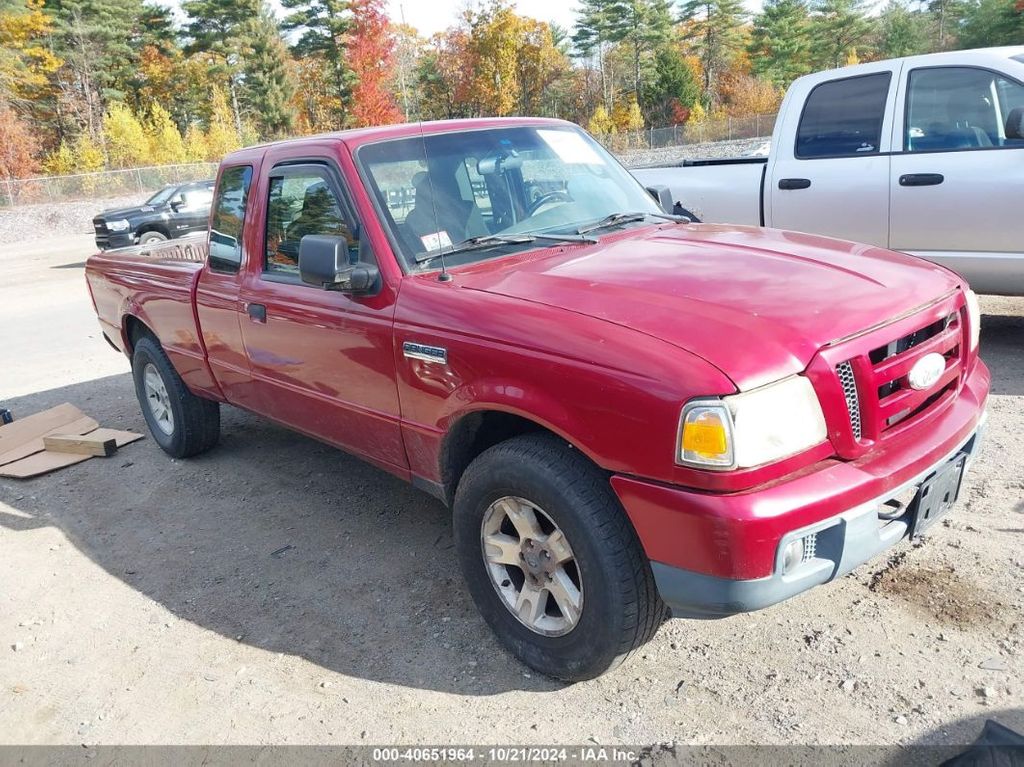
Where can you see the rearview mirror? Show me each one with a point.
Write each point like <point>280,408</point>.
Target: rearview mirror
<point>498,163</point>
<point>1015,123</point>
<point>324,262</point>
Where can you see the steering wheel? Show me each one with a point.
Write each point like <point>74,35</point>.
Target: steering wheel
<point>559,195</point>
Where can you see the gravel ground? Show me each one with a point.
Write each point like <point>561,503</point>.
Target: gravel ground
<point>278,591</point>
<point>33,222</point>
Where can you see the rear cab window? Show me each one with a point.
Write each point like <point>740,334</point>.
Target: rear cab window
<point>229,218</point>
<point>843,118</point>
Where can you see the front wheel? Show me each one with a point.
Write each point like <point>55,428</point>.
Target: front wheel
<point>148,238</point>
<point>180,422</point>
<point>551,560</point>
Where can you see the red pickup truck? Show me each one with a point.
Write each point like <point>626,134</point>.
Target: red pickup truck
<point>626,411</point>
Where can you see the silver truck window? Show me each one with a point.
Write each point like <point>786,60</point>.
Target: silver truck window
<point>953,108</point>
<point>228,218</point>
<point>843,118</point>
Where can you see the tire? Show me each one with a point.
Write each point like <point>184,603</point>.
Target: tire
<point>180,422</point>
<point>620,609</point>
<point>148,238</point>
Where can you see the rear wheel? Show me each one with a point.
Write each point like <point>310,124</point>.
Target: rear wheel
<point>180,422</point>
<point>551,559</point>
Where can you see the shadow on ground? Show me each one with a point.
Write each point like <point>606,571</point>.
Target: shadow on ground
<point>277,541</point>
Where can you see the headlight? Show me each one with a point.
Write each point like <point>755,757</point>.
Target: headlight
<point>973,317</point>
<point>119,226</point>
<point>751,428</point>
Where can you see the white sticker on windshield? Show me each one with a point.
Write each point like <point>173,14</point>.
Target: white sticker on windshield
<point>436,241</point>
<point>570,147</point>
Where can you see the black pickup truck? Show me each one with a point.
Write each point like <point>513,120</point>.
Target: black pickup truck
<point>174,211</point>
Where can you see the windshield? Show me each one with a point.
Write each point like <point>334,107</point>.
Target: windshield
<point>437,191</point>
<point>162,196</point>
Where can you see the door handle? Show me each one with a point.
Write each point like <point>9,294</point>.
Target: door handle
<point>257,312</point>
<point>794,183</point>
<point>921,179</point>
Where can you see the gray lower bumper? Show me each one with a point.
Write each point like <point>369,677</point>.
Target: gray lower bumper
<point>844,542</point>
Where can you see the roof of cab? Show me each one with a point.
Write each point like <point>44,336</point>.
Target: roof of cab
<point>358,136</point>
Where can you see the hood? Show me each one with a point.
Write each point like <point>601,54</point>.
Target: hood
<point>116,214</point>
<point>756,303</point>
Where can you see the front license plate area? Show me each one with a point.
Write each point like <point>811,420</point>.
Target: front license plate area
<point>937,495</point>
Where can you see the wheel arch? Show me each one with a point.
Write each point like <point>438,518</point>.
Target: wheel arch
<point>474,431</point>
<point>153,226</point>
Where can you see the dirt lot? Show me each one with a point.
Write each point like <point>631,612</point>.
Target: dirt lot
<point>278,591</point>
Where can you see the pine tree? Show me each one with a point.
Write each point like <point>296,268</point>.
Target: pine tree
<point>595,33</point>
<point>673,89</point>
<point>324,27</point>
<point>901,32</point>
<point>644,26</point>
<point>215,28</point>
<point>267,90</point>
<point>716,30</point>
<point>780,42</point>
<point>992,22</point>
<point>837,27</point>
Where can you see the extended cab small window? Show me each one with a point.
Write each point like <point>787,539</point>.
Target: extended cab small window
<point>228,219</point>
<point>843,118</point>
<point>302,202</point>
<point>950,108</point>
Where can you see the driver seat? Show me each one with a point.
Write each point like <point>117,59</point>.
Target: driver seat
<point>436,210</point>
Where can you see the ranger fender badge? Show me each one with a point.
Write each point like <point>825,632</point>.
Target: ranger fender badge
<point>414,351</point>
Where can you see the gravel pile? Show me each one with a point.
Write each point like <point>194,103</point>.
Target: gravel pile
<point>672,155</point>
<point>34,222</point>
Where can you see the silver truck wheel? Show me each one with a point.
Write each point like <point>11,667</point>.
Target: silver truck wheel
<point>157,399</point>
<point>532,566</point>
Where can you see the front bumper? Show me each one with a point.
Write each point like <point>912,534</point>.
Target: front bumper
<point>843,542</point>
<point>106,240</point>
<point>715,555</point>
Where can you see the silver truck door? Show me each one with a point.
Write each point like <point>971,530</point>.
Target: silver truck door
<point>956,185</point>
<point>830,173</point>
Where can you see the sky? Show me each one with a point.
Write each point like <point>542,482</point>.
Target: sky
<point>430,16</point>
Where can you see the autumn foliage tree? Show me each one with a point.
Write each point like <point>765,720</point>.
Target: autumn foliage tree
<point>18,146</point>
<point>370,58</point>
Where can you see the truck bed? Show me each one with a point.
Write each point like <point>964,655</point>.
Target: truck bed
<point>156,285</point>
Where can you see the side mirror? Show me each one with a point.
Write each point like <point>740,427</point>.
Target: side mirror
<point>324,262</point>
<point>177,204</point>
<point>1015,123</point>
<point>663,196</point>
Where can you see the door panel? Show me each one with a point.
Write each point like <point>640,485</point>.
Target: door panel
<point>953,126</point>
<point>323,362</point>
<point>218,303</point>
<point>834,179</point>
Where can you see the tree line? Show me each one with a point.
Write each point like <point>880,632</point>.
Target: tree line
<point>93,84</point>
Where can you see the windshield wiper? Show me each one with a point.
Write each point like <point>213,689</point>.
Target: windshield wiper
<point>615,219</point>
<point>492,240</point>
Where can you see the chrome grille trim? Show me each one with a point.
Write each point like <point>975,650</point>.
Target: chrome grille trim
<point>849,383</point>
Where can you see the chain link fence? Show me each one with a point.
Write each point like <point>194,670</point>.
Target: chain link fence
<point>108,183</point>
<point>726,129</point>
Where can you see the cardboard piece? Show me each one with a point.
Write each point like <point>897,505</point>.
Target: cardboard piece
<point>23,452</point>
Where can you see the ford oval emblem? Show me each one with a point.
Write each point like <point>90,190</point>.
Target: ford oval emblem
<point>926,371</point>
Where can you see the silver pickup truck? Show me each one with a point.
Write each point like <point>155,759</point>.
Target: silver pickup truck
<point>922,154</point>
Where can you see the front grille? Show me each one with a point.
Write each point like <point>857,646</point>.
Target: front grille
<point>891,364</point>
<point>866,377</point>
<point>849,382</point>
<point>102,234</point>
